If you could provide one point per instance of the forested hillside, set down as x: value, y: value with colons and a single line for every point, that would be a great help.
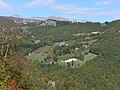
x: 34, y: 57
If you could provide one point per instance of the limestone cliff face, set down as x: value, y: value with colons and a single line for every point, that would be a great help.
x: 48, y: 23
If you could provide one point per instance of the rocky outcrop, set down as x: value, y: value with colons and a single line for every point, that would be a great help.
x: 48, y: 23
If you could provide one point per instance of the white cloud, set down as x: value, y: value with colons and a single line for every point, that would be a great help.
x: 70, y: 9
x: 4, y: 7
x: 103, y: 3
x: 67, y: 8
x: 52, y: 4
x: 102, y: 13
x: 39, y: 3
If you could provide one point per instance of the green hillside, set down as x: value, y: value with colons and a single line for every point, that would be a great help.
x: 34, y: 59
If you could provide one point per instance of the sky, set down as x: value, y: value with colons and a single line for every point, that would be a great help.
x: 93, y: 10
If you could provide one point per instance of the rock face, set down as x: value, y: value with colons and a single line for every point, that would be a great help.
x: 48, y: 23
x: 21, y: 20
x: 80, y: 21
x: 51, y: 17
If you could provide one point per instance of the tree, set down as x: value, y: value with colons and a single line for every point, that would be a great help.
x: 68, y: 64
x: 72, y: 63
x: 81, y: 57
x: 10, y: 62
x: 55, y: 58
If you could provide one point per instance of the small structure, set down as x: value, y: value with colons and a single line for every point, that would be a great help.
x: 76, y: 48
x: 37, y: 41
x: 66, y: 44
x: 52, y: 83
x: 60, y: 44
x: 95, y: 32
x: 70, y: 60
x: 79, y: 34
x: 29, y: 54
x: 85, y: 46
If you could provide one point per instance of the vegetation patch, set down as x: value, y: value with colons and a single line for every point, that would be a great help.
x: 37, y: 56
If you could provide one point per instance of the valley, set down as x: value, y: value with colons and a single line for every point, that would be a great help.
x: 55, y: 53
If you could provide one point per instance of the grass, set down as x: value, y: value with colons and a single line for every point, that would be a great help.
x: 40, y: 57
x: 37, y: 56
x: 64, y: 57
x: 87, y: 57
x: 44, y: 49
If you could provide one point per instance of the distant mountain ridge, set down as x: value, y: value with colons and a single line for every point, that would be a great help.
x: 46, y: 18
x: 42, y: 21
x: 51, y: 17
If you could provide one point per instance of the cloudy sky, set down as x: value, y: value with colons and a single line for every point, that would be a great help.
x: 95, y: 10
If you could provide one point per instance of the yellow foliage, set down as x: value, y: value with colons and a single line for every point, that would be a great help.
x: 12, y: 85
